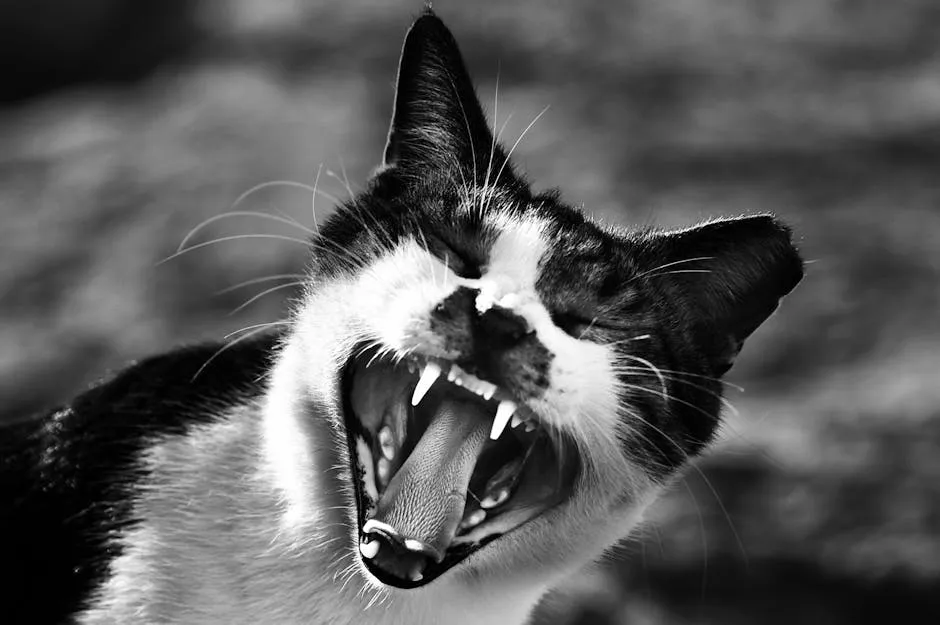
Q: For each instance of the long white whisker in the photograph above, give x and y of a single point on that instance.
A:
(489, 164)
(236, 237)
(313, 198)
(266, 292)
(466, 121)
(235, 342)
(280, 276)
(514, 145)
(284, 183)
(216, 218)
(672, 264)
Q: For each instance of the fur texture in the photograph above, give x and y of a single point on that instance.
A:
(231, 497)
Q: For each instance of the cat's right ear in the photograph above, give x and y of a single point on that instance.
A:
(438, 126)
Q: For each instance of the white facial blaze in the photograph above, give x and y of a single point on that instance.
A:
(393, 299)
(582, 393)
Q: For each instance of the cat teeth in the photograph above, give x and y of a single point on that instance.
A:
(496, 499)
(417, 572)
(385, 471)
(504, 413)
(387, 442)
(369, 549)
(431, 372)
(473, 519)
(472, 383)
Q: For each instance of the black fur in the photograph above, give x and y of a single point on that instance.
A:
(598, 284)
(65, 491)
(65, 477)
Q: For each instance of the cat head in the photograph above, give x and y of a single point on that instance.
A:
(511, 382)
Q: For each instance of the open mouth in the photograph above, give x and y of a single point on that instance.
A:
(444, 462)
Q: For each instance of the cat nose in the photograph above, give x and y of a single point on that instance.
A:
(502, 328)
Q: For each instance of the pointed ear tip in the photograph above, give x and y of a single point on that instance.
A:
(428, 24)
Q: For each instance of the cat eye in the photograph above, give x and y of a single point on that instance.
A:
(455, 261)
(572, 323)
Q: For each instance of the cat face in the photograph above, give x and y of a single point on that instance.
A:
(512, 381)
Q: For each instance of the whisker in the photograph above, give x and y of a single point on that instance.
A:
(651, 367)
(705, 479)
(255, 326)
(313, 198)
(514, 145)
(642, 337)
(627, 369)
(284, 183)
(280, 276)
(666, 273)
(279, 237)
(266, 292)
(216, 218)
(466, 121)
(672, 264)
(235, 342)
(489, 165)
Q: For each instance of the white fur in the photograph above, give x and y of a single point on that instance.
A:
(253, 520)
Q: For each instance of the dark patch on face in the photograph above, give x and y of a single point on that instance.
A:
(694, 294)
(496, 345)
(68, 478)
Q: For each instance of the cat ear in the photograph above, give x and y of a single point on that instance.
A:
(438, 125)
(729, 276)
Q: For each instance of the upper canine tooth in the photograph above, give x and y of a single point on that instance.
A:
(387, 442)
(431, 372)
(516, 421)
(504, 413)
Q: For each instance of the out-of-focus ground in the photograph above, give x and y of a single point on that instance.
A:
(820, 503)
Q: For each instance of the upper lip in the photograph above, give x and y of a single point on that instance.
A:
(508, 410)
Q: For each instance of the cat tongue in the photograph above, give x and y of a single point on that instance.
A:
(425, 498)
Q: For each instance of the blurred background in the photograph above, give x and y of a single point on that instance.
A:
(126, 123)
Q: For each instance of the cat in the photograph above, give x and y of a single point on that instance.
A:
(479, 392)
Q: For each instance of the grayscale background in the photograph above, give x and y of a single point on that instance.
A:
(126, 123)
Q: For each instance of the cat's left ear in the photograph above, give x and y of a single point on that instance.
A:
(438, 125)
(729, 276)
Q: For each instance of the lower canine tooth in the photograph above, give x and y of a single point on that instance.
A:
(369, 549)
(387, 442)
(475, 518)
(491, 501)
(385, 470)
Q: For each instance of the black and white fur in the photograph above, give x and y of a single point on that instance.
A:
(226, 497)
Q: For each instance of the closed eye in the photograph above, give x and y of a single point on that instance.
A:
(456, 262)
(573, 324)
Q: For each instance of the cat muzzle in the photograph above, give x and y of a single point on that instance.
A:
(444, 463)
